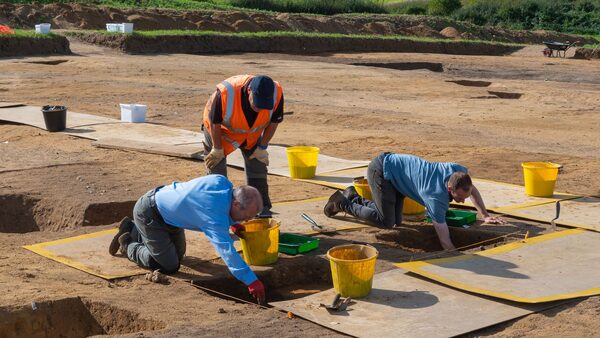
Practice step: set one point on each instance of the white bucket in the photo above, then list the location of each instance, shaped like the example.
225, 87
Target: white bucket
113, 27
43, 28
126, 27
135, 113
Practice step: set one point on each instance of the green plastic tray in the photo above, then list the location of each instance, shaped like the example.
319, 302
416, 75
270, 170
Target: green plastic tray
292, 244
458, 218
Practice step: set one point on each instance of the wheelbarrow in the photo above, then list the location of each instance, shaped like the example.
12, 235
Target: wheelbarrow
556, 48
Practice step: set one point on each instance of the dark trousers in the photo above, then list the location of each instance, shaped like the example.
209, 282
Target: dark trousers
385, 210
154, 244
256, 171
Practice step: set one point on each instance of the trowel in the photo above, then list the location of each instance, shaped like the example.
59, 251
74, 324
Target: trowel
338, 304
316, 227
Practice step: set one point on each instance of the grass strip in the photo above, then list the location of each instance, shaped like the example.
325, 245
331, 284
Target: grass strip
23, 33
159, 33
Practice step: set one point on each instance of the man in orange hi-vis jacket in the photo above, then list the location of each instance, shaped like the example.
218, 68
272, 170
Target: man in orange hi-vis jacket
243, 113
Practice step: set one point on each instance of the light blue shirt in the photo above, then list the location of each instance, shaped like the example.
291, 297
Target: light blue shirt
203, 204
423, 181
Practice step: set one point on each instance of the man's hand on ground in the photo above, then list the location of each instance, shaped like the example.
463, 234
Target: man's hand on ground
261, 155
237, 229
494, 220
214, 157
257, 290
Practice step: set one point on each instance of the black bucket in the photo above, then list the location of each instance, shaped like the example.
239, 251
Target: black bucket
55, 117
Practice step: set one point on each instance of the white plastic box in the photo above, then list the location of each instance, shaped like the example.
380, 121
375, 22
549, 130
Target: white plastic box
126, 28
135, 113
43, 28
113, 27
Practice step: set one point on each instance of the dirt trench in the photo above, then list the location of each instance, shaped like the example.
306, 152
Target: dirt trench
29, 46
70, 317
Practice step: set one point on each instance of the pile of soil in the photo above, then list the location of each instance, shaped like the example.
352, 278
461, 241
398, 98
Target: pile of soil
587, 53
208, 44
78, 16
25, 46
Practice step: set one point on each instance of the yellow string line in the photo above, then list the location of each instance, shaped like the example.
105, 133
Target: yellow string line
219, 293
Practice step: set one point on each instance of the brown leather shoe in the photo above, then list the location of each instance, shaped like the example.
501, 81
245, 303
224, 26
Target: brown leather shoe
125, 226
334, 205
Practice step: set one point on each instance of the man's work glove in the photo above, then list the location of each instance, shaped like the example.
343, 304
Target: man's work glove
237, 229
214, 157
257, 290
261, 155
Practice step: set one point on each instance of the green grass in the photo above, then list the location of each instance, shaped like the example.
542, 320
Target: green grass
158, 33
22, 33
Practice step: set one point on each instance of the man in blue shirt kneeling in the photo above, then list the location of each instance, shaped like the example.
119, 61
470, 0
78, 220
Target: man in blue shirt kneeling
392, 177
155, 239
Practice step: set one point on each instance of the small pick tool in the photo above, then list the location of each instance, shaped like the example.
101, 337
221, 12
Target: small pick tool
557, 215
339, 304
316, 227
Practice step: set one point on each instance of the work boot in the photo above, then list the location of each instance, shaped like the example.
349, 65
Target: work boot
125, 226
350, 193
124, 241
335, 204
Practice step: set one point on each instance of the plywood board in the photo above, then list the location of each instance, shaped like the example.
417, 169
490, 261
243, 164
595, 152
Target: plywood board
89, 253
497, 195
404, 306
290, 215
560, 265
580, 213
10, 104
278, 163
175, 150
33, 116
340, 179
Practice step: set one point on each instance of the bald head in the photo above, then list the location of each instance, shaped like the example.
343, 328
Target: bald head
247, 203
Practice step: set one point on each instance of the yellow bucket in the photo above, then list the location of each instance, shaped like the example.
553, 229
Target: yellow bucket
362, 188
302, 161
260, 245
411, 207
352, 269
540, 178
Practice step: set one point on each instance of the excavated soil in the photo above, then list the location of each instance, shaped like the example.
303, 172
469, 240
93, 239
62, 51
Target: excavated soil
218, 44
56, 186
587, 53
27, 46
78, 16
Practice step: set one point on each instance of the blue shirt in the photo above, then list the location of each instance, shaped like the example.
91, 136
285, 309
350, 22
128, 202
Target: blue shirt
203, 204
423, 181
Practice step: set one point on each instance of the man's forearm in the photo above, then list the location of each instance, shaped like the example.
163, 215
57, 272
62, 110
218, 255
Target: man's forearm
216, 135
444, 235
268, 134
478, 202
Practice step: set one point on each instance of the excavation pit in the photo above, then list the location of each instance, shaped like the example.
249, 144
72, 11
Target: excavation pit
299, 276
70, 317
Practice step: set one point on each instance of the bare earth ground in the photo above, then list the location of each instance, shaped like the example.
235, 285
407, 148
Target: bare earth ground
49, 180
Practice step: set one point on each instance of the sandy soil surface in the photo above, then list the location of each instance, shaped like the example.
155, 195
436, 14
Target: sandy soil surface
49, 181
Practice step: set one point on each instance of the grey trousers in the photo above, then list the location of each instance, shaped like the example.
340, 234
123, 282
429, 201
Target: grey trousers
256, 171
154, 244
385, 210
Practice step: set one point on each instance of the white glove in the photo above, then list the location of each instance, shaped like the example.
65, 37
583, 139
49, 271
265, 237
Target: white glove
214, 157
261, 155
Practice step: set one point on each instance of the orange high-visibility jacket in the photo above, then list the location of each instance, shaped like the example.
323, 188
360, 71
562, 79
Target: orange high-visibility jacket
235, 128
